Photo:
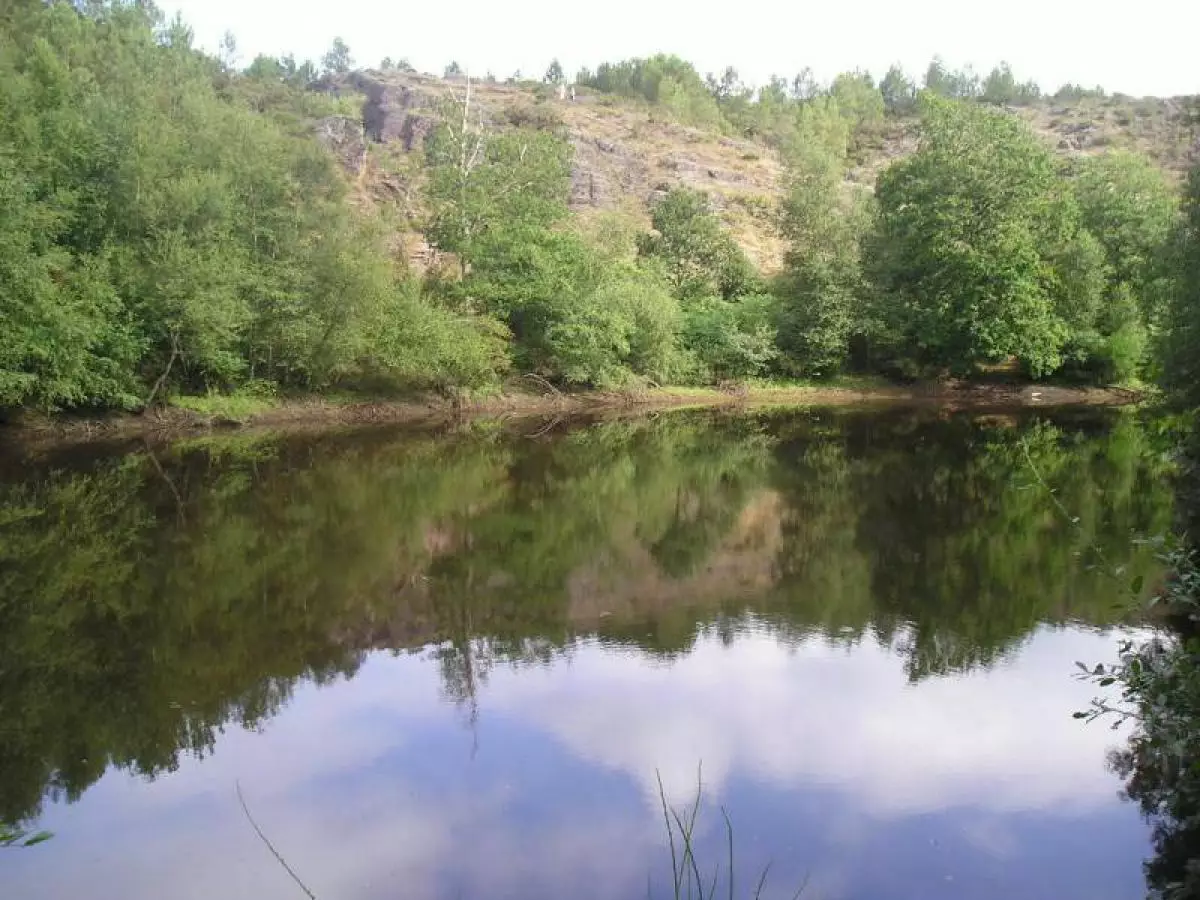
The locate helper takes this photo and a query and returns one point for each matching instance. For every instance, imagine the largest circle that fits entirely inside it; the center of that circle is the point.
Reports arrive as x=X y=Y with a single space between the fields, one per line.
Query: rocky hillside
x=629 y=153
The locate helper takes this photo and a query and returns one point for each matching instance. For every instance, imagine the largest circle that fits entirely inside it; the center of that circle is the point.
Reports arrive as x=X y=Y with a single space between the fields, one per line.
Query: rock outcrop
x=401 y=108
x=345 y=139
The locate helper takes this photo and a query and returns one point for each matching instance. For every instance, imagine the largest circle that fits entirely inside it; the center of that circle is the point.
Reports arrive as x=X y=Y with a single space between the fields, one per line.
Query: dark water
x=455 y=666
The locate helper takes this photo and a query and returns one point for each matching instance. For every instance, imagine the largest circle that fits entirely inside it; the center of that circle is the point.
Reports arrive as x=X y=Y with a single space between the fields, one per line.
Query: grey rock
x=344 y=138
x=397 y=110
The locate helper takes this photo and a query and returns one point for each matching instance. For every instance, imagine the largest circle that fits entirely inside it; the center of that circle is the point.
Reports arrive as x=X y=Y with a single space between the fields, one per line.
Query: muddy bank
x=315 y=413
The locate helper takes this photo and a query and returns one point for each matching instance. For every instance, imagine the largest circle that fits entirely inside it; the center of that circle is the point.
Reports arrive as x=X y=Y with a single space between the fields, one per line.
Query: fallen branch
x=541 y=380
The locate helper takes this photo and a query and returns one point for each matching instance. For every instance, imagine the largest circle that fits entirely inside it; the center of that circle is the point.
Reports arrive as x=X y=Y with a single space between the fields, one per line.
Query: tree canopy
x=964 y=226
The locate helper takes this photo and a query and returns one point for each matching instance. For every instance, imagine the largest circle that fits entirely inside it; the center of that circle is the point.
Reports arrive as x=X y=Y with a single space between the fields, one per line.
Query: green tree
x=482 y=180
x=858 y=99
x=170 y=225
x=1182 y=366
x=964 y=227
x=727 y=87
x=962 y=84
x=898 y=91
x=554 y=74
x=577 y=312
x=701 y=257
x=337 y=61
x=1128 y=204
x=1001 y=87
x=666 y=81
x=731 y=339
x=1073 y=93
x=821 y=290
x=804 y=85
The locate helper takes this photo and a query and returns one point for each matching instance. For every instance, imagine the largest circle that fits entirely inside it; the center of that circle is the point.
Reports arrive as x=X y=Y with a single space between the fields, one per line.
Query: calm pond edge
x=317 y=412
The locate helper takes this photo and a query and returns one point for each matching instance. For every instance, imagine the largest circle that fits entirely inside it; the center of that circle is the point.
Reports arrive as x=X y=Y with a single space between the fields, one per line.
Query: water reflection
x=375 y=789
x=861 y=623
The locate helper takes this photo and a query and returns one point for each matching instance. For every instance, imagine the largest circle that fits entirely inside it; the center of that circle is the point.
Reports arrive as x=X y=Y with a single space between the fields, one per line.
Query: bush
x=538 y=116
x=419 y=344
x=578 y=313
x=731 y=339
x=666 y=81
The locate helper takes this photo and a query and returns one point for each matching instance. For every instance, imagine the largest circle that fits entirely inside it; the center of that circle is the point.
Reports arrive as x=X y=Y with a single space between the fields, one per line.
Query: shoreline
x=308 y=413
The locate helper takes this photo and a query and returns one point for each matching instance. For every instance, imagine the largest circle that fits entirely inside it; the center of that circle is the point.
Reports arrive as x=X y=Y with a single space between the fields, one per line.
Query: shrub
x=731 y=339
x=538 y=116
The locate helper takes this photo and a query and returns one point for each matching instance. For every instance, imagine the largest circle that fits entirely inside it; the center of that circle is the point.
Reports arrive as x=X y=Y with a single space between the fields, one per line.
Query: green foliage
x=1073 y=93
x=1128 y=204
x=418 y=342
x=666 y=81
x=173 y=227
x=480 y=181
x=338 y=60
x=1107 y=332
x=1182 y=365
x=731 y=339
x=16 y=836
x=899 y=92
x=283 y=69
x=962 y=84
x=821 y=291
x=554 y=73
x=858 y=99
x=170 y=226
x=1159 y=683
x=964 y=227
x=576 y=312
x=701 y=258
x=538 y=116
x=1001 y=88
x=241 y=405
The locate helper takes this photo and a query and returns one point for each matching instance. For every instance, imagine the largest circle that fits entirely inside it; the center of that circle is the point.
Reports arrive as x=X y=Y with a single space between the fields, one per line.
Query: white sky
x=1142 y=48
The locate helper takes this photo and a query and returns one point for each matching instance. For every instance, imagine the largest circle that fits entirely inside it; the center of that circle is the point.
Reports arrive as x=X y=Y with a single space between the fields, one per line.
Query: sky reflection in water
x=832 y=765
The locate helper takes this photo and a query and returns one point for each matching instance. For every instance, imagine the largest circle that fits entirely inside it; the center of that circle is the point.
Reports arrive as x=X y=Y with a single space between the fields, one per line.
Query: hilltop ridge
x=628 y=153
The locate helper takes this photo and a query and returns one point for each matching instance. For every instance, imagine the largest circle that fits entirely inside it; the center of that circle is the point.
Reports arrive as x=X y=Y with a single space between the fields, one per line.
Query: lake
x=472 y=664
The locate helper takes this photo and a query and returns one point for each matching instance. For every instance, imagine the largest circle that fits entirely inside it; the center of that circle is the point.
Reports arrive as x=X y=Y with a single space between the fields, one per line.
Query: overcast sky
x=1147 y=47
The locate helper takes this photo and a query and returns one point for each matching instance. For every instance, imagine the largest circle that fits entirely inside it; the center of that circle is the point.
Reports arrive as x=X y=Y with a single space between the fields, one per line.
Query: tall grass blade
x=278 y=856
x=762 y=880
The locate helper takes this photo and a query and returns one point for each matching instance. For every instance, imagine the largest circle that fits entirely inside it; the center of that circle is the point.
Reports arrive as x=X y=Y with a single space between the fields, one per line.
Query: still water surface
x=446 y=666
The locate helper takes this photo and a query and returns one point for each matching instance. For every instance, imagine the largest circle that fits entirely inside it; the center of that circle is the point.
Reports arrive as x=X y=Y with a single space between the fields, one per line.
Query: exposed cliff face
x=627 y=154
x=346 y=139
x=397 y=109
x=624 y=157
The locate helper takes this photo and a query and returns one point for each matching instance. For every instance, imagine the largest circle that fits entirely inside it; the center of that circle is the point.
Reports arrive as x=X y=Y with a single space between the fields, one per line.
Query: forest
x=170 y=225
